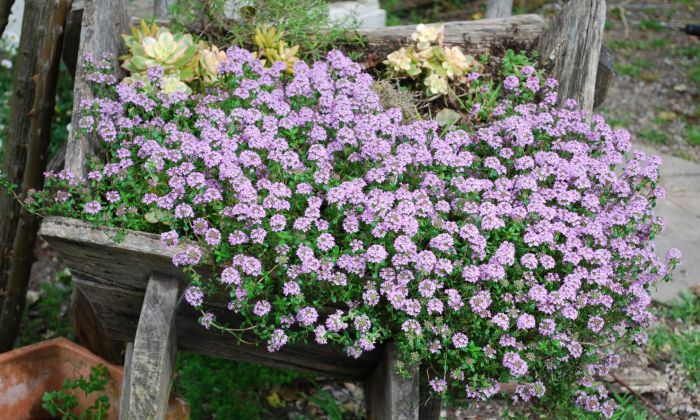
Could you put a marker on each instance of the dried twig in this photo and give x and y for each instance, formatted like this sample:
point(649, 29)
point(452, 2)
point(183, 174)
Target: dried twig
point(639, 396)
point(624, 21)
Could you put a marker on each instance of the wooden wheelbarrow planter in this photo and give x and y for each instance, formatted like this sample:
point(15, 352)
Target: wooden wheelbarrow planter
point(134, 292)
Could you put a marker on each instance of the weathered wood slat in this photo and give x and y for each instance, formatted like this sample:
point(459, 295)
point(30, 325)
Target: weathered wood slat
point(118, 311)
point(26, 152)
point(102, 24)
point(113, 277)
point(89, 332)
point(126, 382)
point(389, 395)
point(571, 45)
point(475, 36)
point(604, 76)
point(92, 253)
point(153, 356)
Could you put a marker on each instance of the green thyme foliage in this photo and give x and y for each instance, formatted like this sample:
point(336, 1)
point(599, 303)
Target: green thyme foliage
point(63, 402)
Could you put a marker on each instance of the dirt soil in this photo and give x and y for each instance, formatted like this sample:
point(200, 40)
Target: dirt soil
point(657, 89)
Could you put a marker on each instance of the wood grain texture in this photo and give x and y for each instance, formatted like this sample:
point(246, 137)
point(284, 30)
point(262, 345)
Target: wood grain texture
point(155, 346)
point(114, 277)
point(90, 333)
point(570, 48)
point(102, 24)
point(499, 8)
point(71, 45)
point(26, 147)
point(126, 382)
point(604, 76)
point(475, 36)
point(389, 395)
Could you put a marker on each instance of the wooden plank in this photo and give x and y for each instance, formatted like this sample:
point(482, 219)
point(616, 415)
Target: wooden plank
point(153, 357)
point(114, 278)
point(604, 76)
point(71, 44)
point(389, 395)
point(570, 48)
point(102, 24)
point(475, 36)
point(26, 152)
point(118, 311)
point(126, 382)
point(89, 332)
point(499, 8)
point(92, 252)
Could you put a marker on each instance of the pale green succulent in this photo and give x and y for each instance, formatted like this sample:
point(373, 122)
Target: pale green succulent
point(209, 60)
point(185, 64)
point(174, 53)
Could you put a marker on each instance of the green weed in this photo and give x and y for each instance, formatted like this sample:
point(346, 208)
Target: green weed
point(217, 388)
point(654, 136)
point(48, 317)
point(692, 134)
point(650, 25)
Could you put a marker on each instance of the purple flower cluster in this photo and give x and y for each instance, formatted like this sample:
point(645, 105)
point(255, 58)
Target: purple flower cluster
point(521, 241)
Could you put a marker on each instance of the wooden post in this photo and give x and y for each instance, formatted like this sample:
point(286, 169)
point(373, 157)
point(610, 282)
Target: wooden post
point(126, 382)
point(475, 36)
point(389, 395)
point(499, 8)
point(26, 147)
point(571, 47)
point(604, 76)
point(102, 24)
point(150, 365)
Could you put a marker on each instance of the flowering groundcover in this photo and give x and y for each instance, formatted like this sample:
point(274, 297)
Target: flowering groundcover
point(517, 251)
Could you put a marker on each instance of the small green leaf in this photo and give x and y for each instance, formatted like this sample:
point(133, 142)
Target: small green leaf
point(447, 117)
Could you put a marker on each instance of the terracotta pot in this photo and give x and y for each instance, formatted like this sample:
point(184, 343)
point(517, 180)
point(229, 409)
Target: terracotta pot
point(26, 373)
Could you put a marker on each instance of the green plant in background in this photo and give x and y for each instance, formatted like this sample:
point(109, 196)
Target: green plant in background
point(682, 339)
point(47, 316)
point(217, 388)
point(61, 403)
point(304, 23)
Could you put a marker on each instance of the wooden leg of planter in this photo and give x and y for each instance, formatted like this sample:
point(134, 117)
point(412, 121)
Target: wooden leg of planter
point(126, 382)
point(88, 330)
point(150, 360)
point(389, 395)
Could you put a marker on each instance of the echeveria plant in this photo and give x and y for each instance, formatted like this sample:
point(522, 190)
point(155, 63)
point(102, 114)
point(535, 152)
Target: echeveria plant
point(440, 68)
point(517, 251)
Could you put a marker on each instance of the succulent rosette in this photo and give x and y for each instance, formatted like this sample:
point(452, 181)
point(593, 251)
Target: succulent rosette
point(514, 252)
